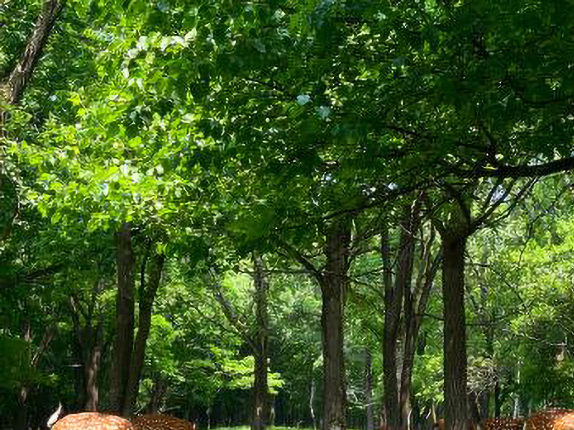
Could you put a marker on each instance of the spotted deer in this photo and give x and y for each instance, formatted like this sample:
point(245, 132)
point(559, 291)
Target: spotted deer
point(91, 421)
point(551, 419)
point(502, 424)
point(161, 422)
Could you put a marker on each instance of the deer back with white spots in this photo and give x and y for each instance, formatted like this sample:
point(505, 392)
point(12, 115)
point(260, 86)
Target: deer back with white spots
point(92, 421)
point(551, 419)
point(502, 424)
point(161, 422)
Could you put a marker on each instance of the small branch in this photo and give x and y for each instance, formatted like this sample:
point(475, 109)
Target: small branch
point(519, 197)
point(301, 259)
point(488, 199)
point(482, 218)
point(49, 334)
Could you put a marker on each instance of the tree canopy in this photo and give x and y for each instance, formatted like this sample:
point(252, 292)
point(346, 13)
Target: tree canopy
point(244, 211)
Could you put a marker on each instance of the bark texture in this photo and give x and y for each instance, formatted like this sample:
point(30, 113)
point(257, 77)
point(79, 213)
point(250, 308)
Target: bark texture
point(124, 320)
point(148, 291)
point(333, 283)
point(157, 394)
point(92, 368)
point(456, 405)
point(390, 334)
point(397, 391)
point(369, 389)
point(405, 301)
point(415, 304)
point(260, 413)
point(88, 345)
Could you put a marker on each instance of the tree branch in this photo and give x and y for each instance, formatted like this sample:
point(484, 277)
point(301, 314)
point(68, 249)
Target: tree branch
point(522, 170)
point(301, 259)
point(488, 211)
point(23, 70)
point(229, 310)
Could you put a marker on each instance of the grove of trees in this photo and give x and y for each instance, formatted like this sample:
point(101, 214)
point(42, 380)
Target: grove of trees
point(315, 213)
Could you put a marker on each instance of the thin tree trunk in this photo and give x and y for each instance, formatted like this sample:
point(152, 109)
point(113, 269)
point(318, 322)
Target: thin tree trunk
point(333, 283)
point(147, 299)
point(517, 410)
point(257, 343)
point(88, 348)
point(23, 71)
point(406, 371)
point(22, 395)
point(456, 405)
point(80, 346)
point(272, 412)
point(13, 90)
point(489, 349)
point(415, 307)
point(92, 369)
point(391, 312)
point(124, 320)
point(369, 389)
point(22, 411)
point(157, 393)
point(22, 417)
point(260, 412)
point(398, 407)
point(497, 399)
point(473, 406)
point(311, 401)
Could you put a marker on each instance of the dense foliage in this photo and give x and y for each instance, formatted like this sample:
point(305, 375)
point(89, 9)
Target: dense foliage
point(256, 203)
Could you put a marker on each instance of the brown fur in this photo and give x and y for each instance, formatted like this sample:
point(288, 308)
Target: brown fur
point(92, 421)
point(551, 419)
point(161, 422)
point(502, 424)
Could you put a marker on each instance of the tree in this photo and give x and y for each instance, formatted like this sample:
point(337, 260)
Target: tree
point(256, 335)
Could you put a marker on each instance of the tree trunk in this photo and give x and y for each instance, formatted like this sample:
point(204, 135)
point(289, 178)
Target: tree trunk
point(333, 282)
point(390, 382)
point(408, 363)
point(369, 389)
point(157, 393)
point(22, 411)
point(497, 399)
point(260, 412)
point(414, 309)
point(456, 405)
point(124, 320)
point(311, 401)
point(147, 297)
point(397, 408)
point(22, 395)
point(88, 347)
point(473, 406)
point(92, 368)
